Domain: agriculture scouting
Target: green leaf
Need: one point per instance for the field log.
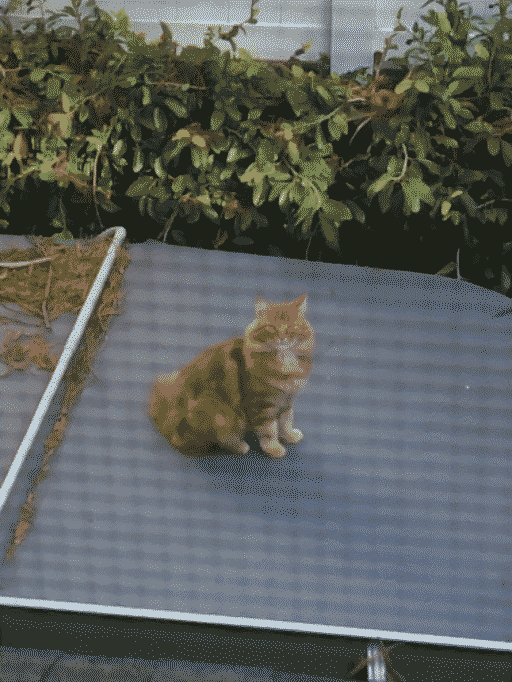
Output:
(283, 198)
(450, 267)
(160, 120)
(245, 223)
(5, 119)
(217, 119)
(444, 22)
(447, 141)
(276, 190)
(119, 149)
(319, 138)
(456, 217)
(415, 191)
(385, 197)
(447, 115)
(379, 184)
(127, 82)
(146, 96)
(337, 211)
(23, 116)
(37, 74)
(65, 237)
(177, 235)
(199, 157)
(506, 150)
(66, 102)
(335, 130)
(243, 54)
(159, 170)
(481, 51)
(109, 205)
(433, 167)
(497, 101)
(493, 146)
(468, 72)
(210, 213)
(149, 207)
(340, 120)
(330, 232)
(479, 127)
(395, 166)
(421, 142)
(469, 175)
(505, 279)
(252, 175)
(293, 151)
(180, 184)
(403, 86)
(17, 48)
(254, 114)
(140, 187)
(265, 153)
(227, 172)
(305, 216)
(259, 192)
(357, 212)
(495, 175)
(233, 155)
(177, 107)
(136, 132)
(138, 160)
(450, 90)
(422, 86)
(278, 176)
(176, 149)
(325, 95)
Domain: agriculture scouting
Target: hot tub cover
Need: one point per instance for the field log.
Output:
(391, 516)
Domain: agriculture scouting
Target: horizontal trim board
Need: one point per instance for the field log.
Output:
(254, 623)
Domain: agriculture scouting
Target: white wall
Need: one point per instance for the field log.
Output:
(282, 28)
(359, 27)
(350, 30)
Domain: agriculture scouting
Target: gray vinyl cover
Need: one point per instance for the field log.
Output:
(393, 513)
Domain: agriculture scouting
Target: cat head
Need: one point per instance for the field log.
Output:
(280, 326)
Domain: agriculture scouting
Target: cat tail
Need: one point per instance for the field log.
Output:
(161, 399)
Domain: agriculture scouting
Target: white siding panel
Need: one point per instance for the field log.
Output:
(359, 27)
(351, 30)
(283, 27)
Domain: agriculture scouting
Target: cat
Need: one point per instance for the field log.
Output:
(245, 384)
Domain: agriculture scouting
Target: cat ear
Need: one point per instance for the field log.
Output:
(302, 304)
(260, 306)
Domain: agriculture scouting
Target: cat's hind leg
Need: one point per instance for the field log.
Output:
(287, 431)
(268, 436)
(232, 440)
(234, 444)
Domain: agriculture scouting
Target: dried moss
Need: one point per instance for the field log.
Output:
(58, 284)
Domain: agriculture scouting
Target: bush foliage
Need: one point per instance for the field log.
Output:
(220, 150)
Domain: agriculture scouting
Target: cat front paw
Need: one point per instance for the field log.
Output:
(272, 448)
(293, 436)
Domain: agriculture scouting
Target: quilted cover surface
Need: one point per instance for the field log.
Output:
(392, 514)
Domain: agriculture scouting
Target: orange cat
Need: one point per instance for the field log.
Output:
(245, 384)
